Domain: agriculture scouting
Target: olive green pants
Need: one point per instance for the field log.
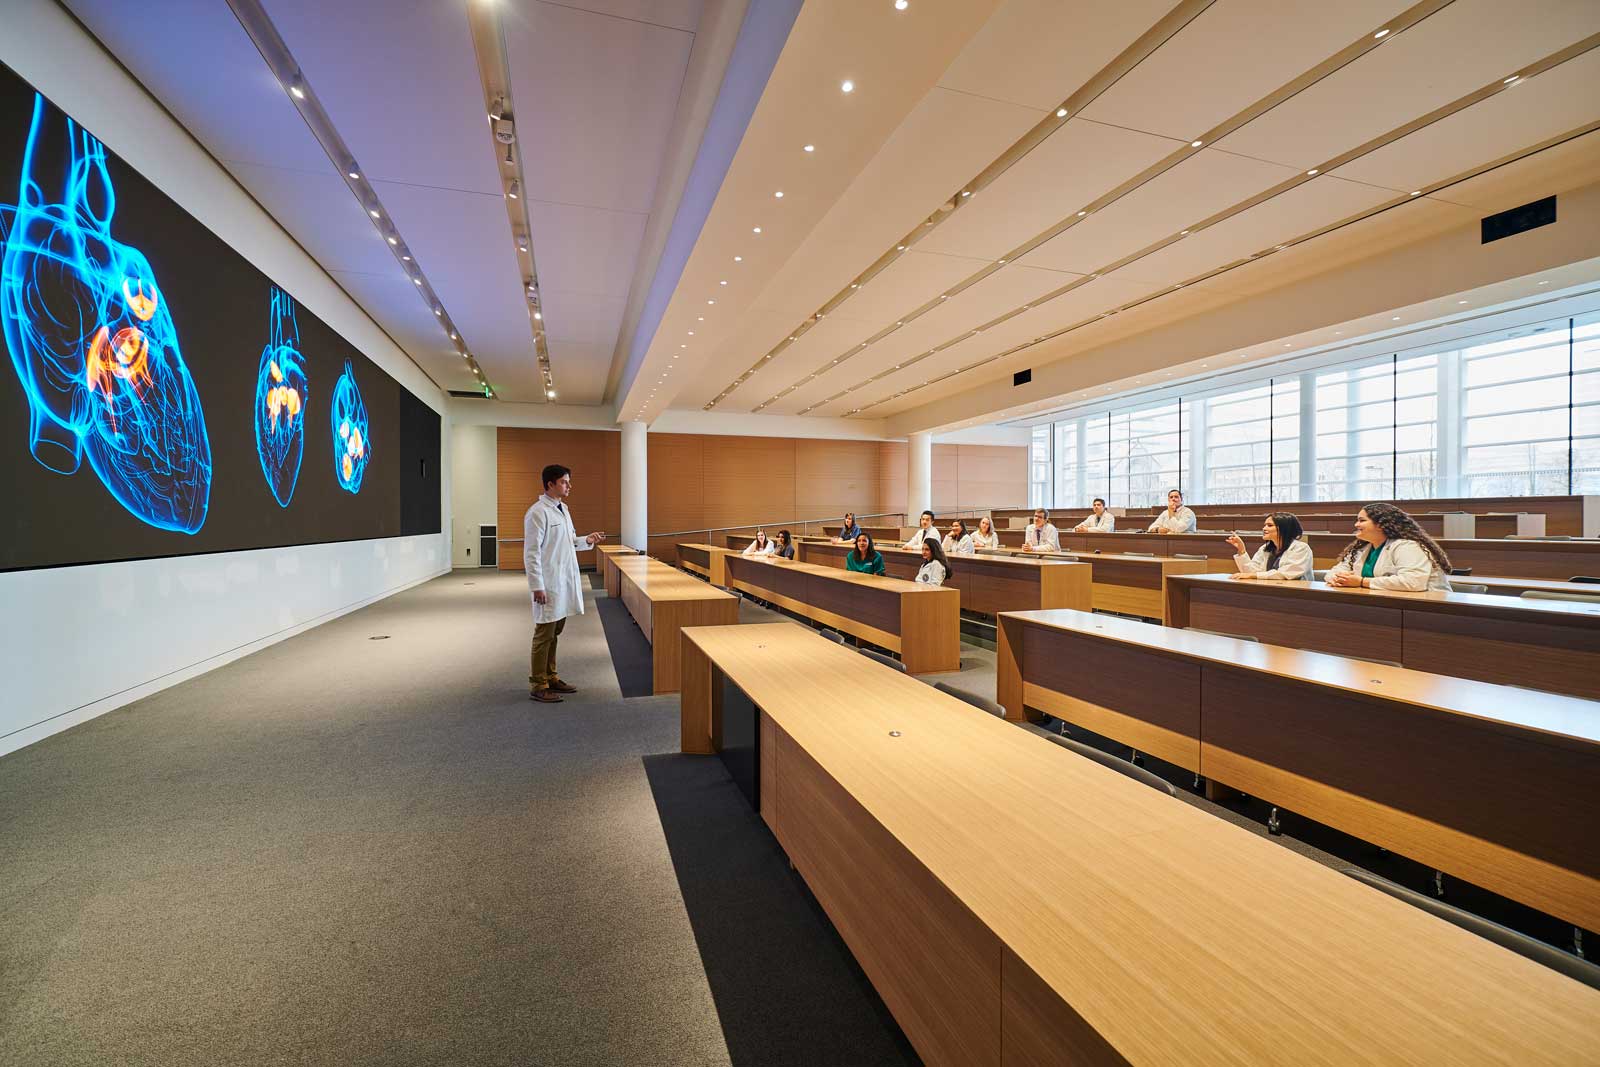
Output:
(542, 657)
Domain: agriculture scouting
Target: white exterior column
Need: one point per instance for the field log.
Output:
(635, 486)
(919, 475)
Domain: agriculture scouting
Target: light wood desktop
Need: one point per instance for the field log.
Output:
(1128, 585)
(1476, 780)
(608, 573)
(706, 561)
(1014, 903)
(921, 622)
(663, 600)
(1540, 644)
(988, 584)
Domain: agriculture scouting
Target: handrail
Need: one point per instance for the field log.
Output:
(953, 512)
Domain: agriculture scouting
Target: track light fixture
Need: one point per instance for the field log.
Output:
(515, 189)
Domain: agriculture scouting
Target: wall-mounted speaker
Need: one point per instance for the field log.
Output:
(1022, 377)
(1519, 219)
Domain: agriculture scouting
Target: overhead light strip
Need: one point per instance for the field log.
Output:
(280, 60)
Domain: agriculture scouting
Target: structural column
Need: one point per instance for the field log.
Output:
(919, 475)
(635, 486)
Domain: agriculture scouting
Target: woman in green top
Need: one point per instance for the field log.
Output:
(864, 557)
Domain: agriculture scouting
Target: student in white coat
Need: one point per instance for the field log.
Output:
(957, 542)
(1176, 519)
(925, 529)
(935, 564)
(760, 546)
(984, 536)
(1041, 535)
(1098, 521)
(550, 547)
(1282, 555)
(1390, 552)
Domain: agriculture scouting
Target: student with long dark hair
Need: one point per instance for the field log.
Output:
(1390, 552)
(1282, 555)
(864, 557)
(935, 564)
(785, 545)
(958, 542)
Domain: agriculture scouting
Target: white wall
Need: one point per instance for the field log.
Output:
(474, 492)
(161, 621)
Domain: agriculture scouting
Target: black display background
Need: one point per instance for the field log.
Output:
(220, 305)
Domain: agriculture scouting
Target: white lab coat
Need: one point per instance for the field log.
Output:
(1169, 523)
(1294, 565)
(981, 540)
(1049, 537)
(550, 547)
(754, 549)
(963, 547)
(1105, 522)
(921, 535)
(932, 573)
(1403, 565)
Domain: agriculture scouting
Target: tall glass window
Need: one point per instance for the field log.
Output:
(1586, 405)
(1039, 468)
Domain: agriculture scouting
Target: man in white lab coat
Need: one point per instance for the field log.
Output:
(550, 546)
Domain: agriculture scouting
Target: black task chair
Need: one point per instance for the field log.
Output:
(1105, 759)
(1566, 963)
(1460, 572)
(1468, 587)
(1584, 579)
(834, 635)
(887, 661)
(1186, 555)
(976, 701)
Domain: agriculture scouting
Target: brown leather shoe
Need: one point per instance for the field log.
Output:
(544, 696)
(558, 686)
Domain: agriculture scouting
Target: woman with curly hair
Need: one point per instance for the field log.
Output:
(1390, 552)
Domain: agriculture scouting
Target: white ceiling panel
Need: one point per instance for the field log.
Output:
(1525, 114)
(1075, 165)
(1195, 189)
(671, 14)
(322, 215)
(1038, 52)
(460, 242)
(595, 97)
(1233, 54)
(208, 73)
(1306, 207)
(905, 285)
(425, 131)
(1461, 48)
(818, 347)
(585, 250)
(580, 372)
(395, 307)
(581, 317)
(1569, 165)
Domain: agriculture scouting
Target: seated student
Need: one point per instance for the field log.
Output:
(984, 536)
(957, 542)
(1041, 535)
(1390, 552)
(935, 565)
(1176, 519)
(760, 546)
(925, 529)
(1101, 521)
(848, 531)
(785, 545)
(864, 557)
(1282, 553)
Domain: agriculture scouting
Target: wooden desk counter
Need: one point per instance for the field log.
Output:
(1129, 585)
(1479, 781)
(921, 622)
(706, 561)
(988, 584)
(663, 600)
(1015, 903)
(1540, 644)
(608, 573)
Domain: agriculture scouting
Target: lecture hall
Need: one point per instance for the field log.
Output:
(832, 533)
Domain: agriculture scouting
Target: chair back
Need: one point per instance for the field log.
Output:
(1580, 598)
(834, 635)
(1468, 587)
(1121, 766)
(976, 701)
(1584, 579)
(887, 661)
(1221, 633)
(1185, 555)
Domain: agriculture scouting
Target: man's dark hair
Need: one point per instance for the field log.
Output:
(928, 513)
(1098, 500)
(554, 473)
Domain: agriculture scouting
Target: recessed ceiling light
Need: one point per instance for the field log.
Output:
(406, 258)
(723, 282)
(1312, 171)
(755, 229)
(551, 393)
(374, 213)
(966, 192)
(738, 259)
(1395, 319)
(691, 333)
(1185, 233)
(297, 87)
(1061, 112)
(1081, 214)
(810, 148)
(699, 318)
(1196, 144)
(355, 175)
(438, 311)
(899, 248)
(847, 86)
(394, 241)
(538, 316)
(1546, 282)
(778, 194)
(711, 301)
(1416, 192)
(901, 5)
(1381, 34)
(683, 346)
(416, 281)
(515, 190)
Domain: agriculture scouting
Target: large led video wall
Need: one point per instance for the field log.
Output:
(159, 395)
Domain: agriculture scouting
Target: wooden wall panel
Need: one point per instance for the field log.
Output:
(891, 476)
(521, 455)
(946, 478)
(748, 479)
(832, 477)
(992, 475)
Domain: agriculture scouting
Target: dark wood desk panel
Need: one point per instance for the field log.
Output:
(1561, 655)
(1495, 807)
(988, 584)
(663, 602)
(1365, 631)
(1126, 584)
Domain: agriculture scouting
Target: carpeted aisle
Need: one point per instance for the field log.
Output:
(347, 851)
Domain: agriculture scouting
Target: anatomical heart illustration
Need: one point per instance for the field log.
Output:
(93, 342)
(280, 401)
(351, 447)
